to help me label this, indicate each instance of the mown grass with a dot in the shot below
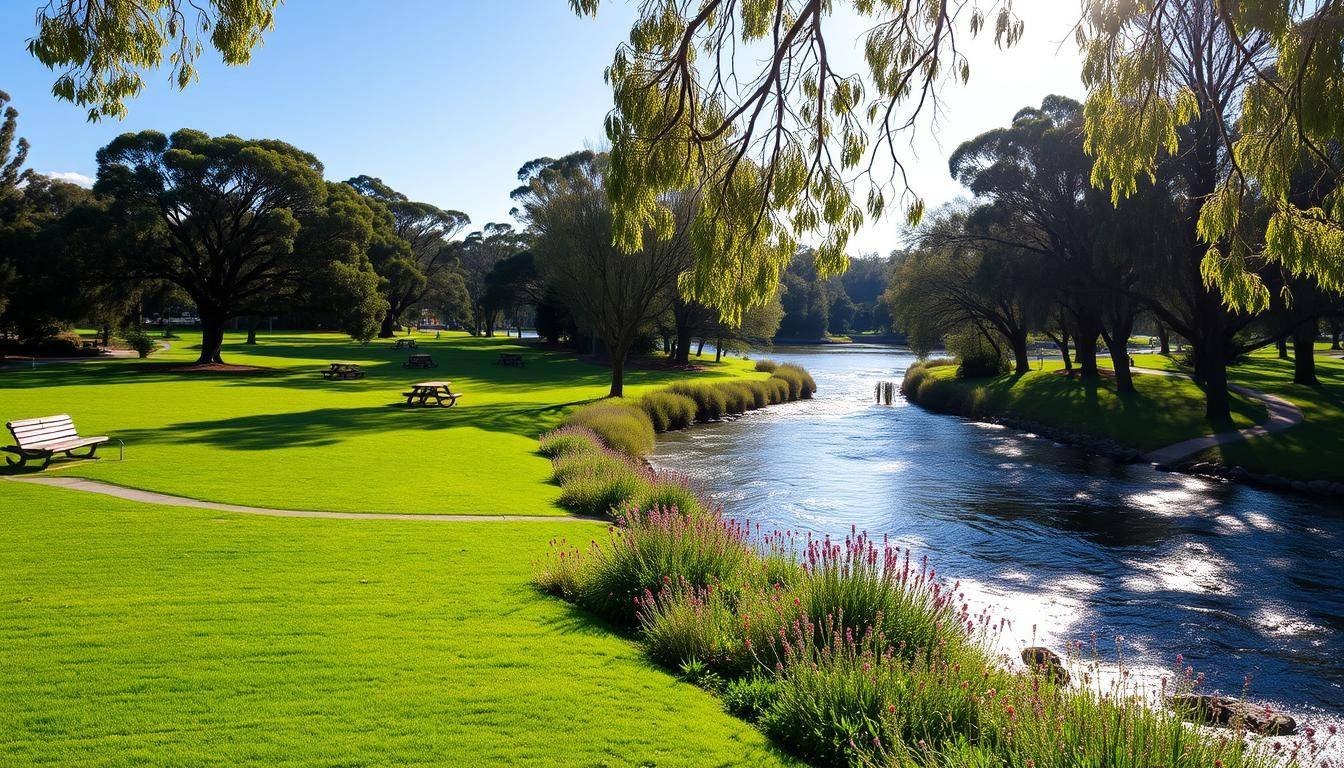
(141, 635)
(287, 438)
(1163, 409)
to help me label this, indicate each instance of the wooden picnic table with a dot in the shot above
(508, 358)
(438, 391)
(420, 360)
(405, 344)
(343, 371)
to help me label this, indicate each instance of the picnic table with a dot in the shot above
(438, 391)
(343, 371)
(507, 358)
(405, 344)
(420, 360)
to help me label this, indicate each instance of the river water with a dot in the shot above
(1241, 581)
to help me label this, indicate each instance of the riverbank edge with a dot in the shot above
(1127, 454)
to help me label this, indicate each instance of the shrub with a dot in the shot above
(141, 342)
(778, 389)
(562, 573)
(939, 362)
(569, 440)
(915, 375)
(622, 427)
(653, 547)
(602, 487)
(569, 466)
(710, 403)
(801, 384)
(759, 391)
(668, 410)
(976, 358)
(670, 492)
(749, 697)
(683, 623)
(766, 365)
(736, 397)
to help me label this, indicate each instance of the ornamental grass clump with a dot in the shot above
(599, 485)
(766, 365)
(667, 490)
(569, 440)
(801, 384)
(683, 623)
(668, 410)
(652, 547)
(778, 390)
(710, 403)
(760, 393)
(622, 427)
(737, 398)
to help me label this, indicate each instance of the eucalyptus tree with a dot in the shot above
(950, 283)
(412, 273)
(613, 293)
(241, 226)
(477, 255)
(12, 154)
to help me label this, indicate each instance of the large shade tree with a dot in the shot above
(412, 273)
(241, 226)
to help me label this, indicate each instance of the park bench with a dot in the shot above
(423, 392)
(405, 344)
(343, 371)
(506, 358)
(45, 437)
(420, 361)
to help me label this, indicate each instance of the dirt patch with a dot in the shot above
(222, 368)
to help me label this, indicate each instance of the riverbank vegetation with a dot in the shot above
(855, 653)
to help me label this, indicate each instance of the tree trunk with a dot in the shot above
(617, 374)
(107, 335)
(683, 345)
(252, 334)
(1163, 340)
(1085, 347)
(718, 350)
(1022, 362)
(212, 340)
(1304, 354)
(1335, 328)
(700, 349)
(389, 327)
(1211, 373)
(1117, 343)
(1282, 344)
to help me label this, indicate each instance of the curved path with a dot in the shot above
(151, 497)
(1282, 415)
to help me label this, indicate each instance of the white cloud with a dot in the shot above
(73, 177)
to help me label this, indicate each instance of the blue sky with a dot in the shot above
(445, 99)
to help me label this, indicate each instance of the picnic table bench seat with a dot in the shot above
(47, 436)
(509, 358)
(405, 344)
(343, 371)
(424, 391)
(420, 360)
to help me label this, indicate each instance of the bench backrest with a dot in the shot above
(33, 433)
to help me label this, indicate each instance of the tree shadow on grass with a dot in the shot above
(329, 426)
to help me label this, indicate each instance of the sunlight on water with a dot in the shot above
(1241, 581)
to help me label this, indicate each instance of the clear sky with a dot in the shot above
(445, 99)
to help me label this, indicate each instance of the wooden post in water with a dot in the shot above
(885, 392)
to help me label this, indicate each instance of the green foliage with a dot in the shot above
(668, 410)
(976, 358)
(800, 382)
(737, 397)
(622, 427)
(749, 697)
(710, 403)
(569, 441)
(599, 489)
(102, 51)
(765, 365)
(669, 493)
(137, 339)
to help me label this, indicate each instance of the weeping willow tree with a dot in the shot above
(101, 47)
(1288, 99)
(774, 147)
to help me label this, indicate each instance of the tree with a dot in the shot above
(774, 143)
(513, 284)
(12, 156)
(101, 47)
(614, 294)
(426, 231)
(477, 255)
(1257, 84)
(240, 226)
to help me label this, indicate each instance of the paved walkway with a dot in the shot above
(150, 497)
(1282, 415)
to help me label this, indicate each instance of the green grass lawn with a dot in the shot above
(141, 635)
(290, 439)
(1162, 411)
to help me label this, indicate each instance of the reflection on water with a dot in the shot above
(1242, 581)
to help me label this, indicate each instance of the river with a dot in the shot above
(1241, 581)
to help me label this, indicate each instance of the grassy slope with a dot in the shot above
(1162, 411)
(141, 635)
(1309, 451)
(291, 439)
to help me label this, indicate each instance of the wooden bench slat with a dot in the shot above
(41, 420)
(47, 438)
(38, 428)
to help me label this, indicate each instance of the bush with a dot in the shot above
(760, 393)
(668, 410)
(141, 342)
(976, 358)
(596, 489)
(749, 697)
(622, 427)
(670, 492)
(710, 403)
(778, 389)
(569, 440)
(653, 547)
(801, 384)
(683, 624)
(736, 397)
(569, 466)
(766, 365)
